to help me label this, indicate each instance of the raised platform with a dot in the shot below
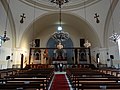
(64, 62)
(61, 60)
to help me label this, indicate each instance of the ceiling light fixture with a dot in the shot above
(86, 44)
(32, 43)
(59, 2)
(114, 37)
(4, 38)
(60, 35)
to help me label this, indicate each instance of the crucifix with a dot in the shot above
(96, 17)
(22, 17)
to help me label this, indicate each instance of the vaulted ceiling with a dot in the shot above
(44, 15)
(72, 5)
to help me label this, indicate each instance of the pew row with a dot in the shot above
(82, 79)
(28, 79)
(22, 84)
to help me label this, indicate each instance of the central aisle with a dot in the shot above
(60, 82)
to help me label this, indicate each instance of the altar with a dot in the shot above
(64, 61)
(54, 55)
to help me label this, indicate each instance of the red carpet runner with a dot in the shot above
(60, 83)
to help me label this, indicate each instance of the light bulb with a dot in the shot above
(59, 28)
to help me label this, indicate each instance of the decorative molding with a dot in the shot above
(72, 5)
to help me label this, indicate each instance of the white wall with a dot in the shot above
(4, 52)
(105, 54)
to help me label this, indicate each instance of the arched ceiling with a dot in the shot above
(68, 20)
(72, 17)
(72, 5)
(77, 24)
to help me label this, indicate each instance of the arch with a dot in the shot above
(80, 25)
(11, 21)
(66, 44)
(75, 5)
(107, 22)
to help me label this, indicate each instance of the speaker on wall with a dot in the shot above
(111, 56)
(37, 42)
(82, 41)
(7, 57)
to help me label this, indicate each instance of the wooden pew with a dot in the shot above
(98, 85)
(40, 83)
(91, 79)
(38, 78)
(7, 72)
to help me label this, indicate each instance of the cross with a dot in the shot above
(22, 17)
(96, 17)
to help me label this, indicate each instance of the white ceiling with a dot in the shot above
(73, 16)
(72, 5)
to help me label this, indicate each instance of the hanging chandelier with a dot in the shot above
(59, 2)
(4, 38)
(60, 35)
(32, 43)
(114, 37)
(86, 44)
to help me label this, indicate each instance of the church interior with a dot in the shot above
(73, 41)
